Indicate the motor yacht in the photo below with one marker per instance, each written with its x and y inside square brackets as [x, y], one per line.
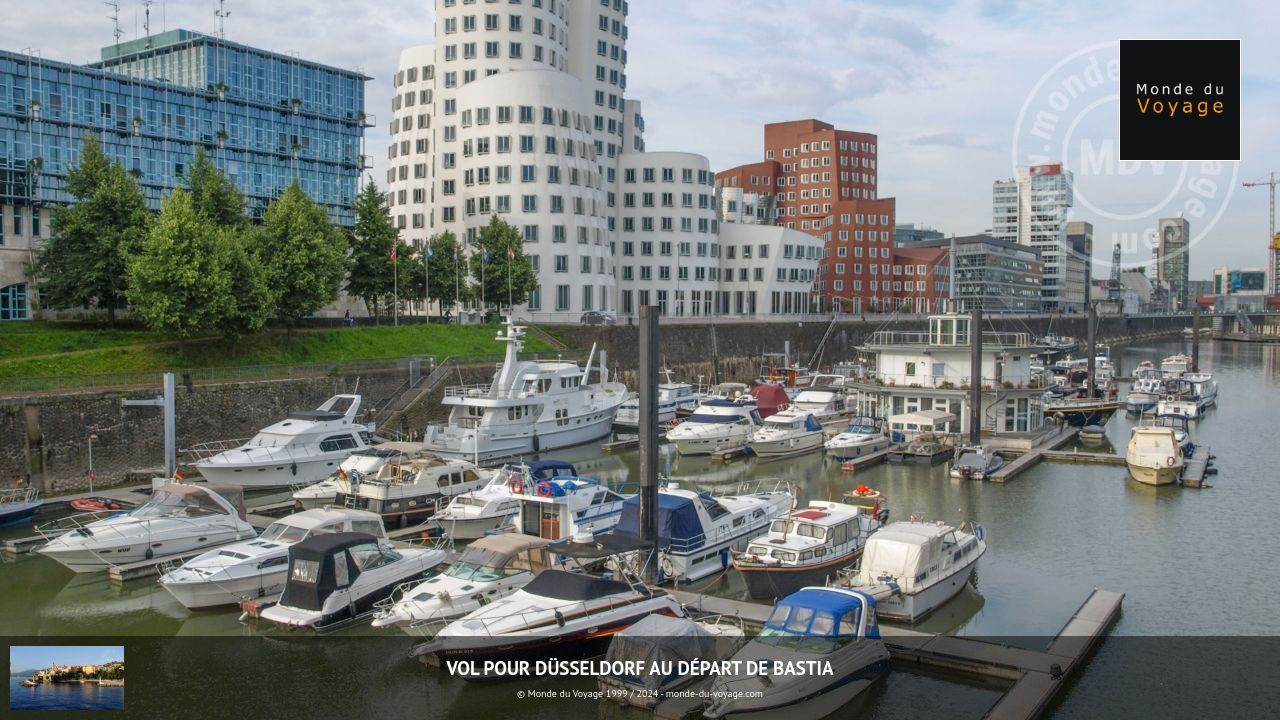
[790, 432]
[361, 464]
[1181, 431]
[716, 425]
[828, 403]
[912, 568]
[1145, 392]
[305, 447]
[488, 569]
[673, 399]
[1153, 456]
[474, 513]
[862, 436]
[18, 504]
[568, 614]
[1175, 365]
[258, 567]
[409, 492]
[178, 518]
[805, 547]
[530, 406]
[834, 627]
[336, 578]
[555, 503]
[698, 532]
[975, 462]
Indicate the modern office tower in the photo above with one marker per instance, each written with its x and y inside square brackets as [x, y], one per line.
[905, 234]
[264, 118]
[1173, 260]
[1032, 209]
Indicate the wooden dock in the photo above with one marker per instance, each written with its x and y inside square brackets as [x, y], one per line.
[626, 443]
[1197, 467]
[731, 454]
[1032, 457]
[1036, 676]
[1083, 457]
[857, 463]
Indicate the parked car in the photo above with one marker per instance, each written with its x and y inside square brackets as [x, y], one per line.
[598, 317]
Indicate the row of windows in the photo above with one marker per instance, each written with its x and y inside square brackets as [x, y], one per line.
[700, 274]
[667, 224]
[665, 247]
[687, 175]
[668, 200]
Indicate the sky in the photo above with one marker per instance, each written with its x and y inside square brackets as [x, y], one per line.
[942, 82]
[38, 657]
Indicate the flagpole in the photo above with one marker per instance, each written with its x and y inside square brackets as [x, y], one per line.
[457, 282]
[510, 259]
[483, 262]
[426, 278]
[395, 270]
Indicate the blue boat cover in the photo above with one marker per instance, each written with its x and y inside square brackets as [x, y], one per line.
[811, 424]
[677, 519]
[543, 469]
[819, 611]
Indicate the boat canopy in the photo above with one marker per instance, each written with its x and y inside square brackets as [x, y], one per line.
[678, 522]
[319, 565]
[822, 612]
[205, 496]
[507, 549]
[562, 585]
[770, 398]
[660, 638]
[544, 469]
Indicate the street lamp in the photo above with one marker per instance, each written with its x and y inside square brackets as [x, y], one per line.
[92, 437]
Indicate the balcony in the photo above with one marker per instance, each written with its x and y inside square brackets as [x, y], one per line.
[920, 338]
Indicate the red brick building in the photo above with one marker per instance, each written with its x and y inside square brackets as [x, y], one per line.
[823, 181]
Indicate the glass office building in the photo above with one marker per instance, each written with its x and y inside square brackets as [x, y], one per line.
[264, 118]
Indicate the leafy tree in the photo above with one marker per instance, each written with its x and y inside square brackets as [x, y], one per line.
[504, 246]
[447, 269]
[304, 255]
[252, 301]
[371, 274]
[178, 282]
[213, 194]
[85, 260]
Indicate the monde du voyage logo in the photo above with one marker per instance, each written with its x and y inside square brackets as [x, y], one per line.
[1180, 99]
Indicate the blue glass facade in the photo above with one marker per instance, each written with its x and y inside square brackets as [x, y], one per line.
[264, 118]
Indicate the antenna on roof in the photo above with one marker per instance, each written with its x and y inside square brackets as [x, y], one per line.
[114, 17]
[223, 13]
[146, 20]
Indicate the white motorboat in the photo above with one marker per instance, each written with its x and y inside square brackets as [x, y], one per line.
[1145, 392]
[1153, 456]
[673, 398]
[835, 628]
[912, 568]
[715, 426]
[658, 642]
[490, 568]
[729, 391]
[697, 533]
[555, 503]
[362, 463]
[472, 514]
[862, 436]
[1203, 388]
[568, 614]
[789, 432]
[408, 492]
[806, 547]
[975, 462]
[531, 406]
[1181, 398]
[258, 567]
[1181, 431]
[305, 447]
[18, 504]
[336, 578]
[179, 518]
[829, 403]
[1175, 365]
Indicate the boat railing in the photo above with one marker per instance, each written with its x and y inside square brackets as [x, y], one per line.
[10, 496]
[479, 390]
[81, 521]
[205, 450]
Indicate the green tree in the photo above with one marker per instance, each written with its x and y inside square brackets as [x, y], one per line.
[371, 273]
[252, 300]
[447, 269]
[304, 255]
[178, 282]
[504, 246]
[213, 194]
[84, 262]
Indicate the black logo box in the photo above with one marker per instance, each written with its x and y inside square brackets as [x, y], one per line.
[1205, 73]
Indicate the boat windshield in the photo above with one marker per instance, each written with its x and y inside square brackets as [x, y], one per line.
[283, 532]
[861, 429]
[168, 504]
[808, 630]
[710, 419]
[481, 565]
[802, 529]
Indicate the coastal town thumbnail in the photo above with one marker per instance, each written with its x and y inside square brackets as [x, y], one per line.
[66, 677]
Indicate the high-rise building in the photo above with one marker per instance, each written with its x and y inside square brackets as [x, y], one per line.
[1080, 243]
[264, 118]
[1172, 260]
[992, 274]
[822, 181]
[905, 234]
[1032, 209]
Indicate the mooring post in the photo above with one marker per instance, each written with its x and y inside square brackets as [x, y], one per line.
[975, 370]
[1092, 319]
[648, 377]
[1195, 337]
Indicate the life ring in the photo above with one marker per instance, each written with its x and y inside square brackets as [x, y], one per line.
[1171, 460]
[516, 485]
[543, 489]
[863, 490]
[1170, 398]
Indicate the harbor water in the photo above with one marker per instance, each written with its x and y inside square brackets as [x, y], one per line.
[1054, 534]
[65, 696]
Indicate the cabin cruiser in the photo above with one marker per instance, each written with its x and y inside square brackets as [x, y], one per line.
[837, 628]
[715, 426]
[1203, 387]
[258, 567]
[862, 436]
[1181, 431]
[790, 432]
[770, 399]
[1175, 365]
[975, 462]
[729, 391]
[828, 403]
[792, 378]
[1080, 411]
[925, 447]
[335, 578]
[697, 532]
[1145, 392]
[912, 568]
[404, 493]
[555, 503]
[659, 642]
[1058, 345]
[179, 518]
[305, 447]
[361, 464]
[806, 547]
[474, 513]
[568, 614]
[488, 569]
[531, 406]
[673, 399]
[1153, 456]
[1181, 398]
[18, 504]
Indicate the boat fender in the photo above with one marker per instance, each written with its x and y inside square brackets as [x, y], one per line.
[148, 554]
[666, 567]
[544, 489]
[724, 557]
[536, 448]
[559, 618]
[979, 532]
[293, 467]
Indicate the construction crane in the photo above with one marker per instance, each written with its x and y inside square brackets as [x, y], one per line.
[1273, 247]
[1114, 288]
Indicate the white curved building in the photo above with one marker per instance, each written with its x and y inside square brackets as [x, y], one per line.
[411, 168]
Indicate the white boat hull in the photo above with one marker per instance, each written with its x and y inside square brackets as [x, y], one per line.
[83, 558]
[214, 592]
[459, 443]
[793, 445]
[1155, 475]
[854, 450]
[911, 607]
[470, 528]
[706, 444]
[277, 473]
